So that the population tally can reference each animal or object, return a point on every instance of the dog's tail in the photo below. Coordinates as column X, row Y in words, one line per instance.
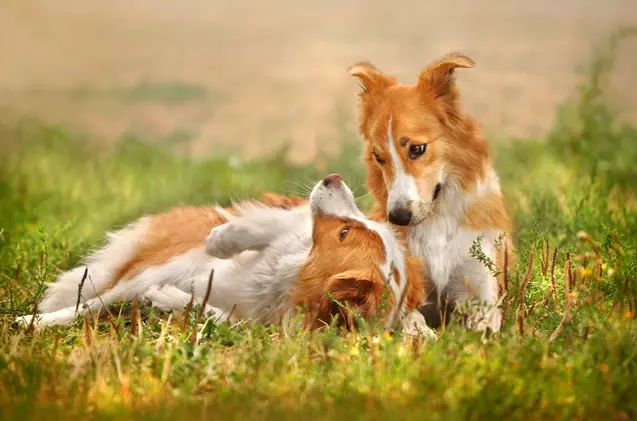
column 103, row 266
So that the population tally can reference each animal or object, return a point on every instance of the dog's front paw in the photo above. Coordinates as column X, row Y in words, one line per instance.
column 414, row 325
column 221, row 242
column 26, row 321
column 482, row 321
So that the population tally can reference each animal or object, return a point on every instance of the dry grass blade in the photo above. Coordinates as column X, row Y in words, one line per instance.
column 184, row 327
column 134, row 316
column 443, row 314
column 80, row 288
column 15, row 281
column 193, row 336
column 522, row 293
column 400, row 303
column 553, row 283
column 568, row 280
column 505, row 279
column 505, row 269
column 546, row 252
column 569, row 272
column 234, row 307
column 567, row 310
column 207, row 296
column 31, row 326
column 114, row 327
column 87, row 331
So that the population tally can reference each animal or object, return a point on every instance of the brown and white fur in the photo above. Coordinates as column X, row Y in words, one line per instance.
column 267, row 262
column 430, row 171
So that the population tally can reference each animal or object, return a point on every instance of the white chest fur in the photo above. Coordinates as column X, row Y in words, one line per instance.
column 445, row 245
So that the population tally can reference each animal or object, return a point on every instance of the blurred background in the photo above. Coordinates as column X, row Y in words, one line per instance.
column 203, row 76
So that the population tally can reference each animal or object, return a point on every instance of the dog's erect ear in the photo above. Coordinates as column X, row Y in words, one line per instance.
column 349, row 294
column 372, row 80
column 438, row 78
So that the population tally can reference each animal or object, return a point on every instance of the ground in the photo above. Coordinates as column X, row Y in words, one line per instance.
column 566, row 349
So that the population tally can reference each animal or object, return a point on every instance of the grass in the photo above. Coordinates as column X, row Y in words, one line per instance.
column 566, row 350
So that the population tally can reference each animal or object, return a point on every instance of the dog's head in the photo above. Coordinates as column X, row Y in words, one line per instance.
column 418, row 142
column 355, row 266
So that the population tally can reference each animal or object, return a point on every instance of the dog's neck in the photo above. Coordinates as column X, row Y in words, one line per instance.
column 269, row 291
column 456, row 195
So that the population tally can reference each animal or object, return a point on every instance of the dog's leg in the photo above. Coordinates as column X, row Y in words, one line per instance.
column 171, row 298
column 91, row 306
column 475, row 291
column 414, row 324
column 254, row 229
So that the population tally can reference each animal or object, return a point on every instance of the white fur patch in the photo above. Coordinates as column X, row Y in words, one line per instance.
column 102, row 266
column 403, row 190
column 441, row 241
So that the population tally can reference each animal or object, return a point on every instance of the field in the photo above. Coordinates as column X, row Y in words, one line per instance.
column 566, row 351
column 207, row 76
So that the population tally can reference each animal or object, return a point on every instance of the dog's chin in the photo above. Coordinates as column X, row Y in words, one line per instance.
column 423, row 212
column 334, row 201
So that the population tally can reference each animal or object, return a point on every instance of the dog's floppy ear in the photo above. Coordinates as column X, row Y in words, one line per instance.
column 371, row 79
column 349, row 295
column 438, row 78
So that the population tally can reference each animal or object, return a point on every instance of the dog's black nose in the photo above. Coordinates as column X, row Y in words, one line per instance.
column 332, row 179
column 400, row 216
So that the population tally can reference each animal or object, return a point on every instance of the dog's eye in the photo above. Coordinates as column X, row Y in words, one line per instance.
column 343, row 233
column 377, row 158
column 416, row 150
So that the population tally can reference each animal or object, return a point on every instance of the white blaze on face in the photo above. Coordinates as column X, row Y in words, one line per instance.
column 403, row 191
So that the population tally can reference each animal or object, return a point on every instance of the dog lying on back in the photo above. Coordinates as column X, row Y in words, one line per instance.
column 430, row 171
column 323, row 256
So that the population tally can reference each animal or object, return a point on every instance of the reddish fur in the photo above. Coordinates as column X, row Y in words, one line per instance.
column 349, row 271
column 417, row 288
column 427, row 112
column 179, row 230
column 170, row 234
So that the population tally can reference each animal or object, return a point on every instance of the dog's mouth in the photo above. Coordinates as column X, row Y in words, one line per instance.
column 332, row 196
column 437, row 191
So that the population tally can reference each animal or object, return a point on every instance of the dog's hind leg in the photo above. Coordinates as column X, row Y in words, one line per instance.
column 170, row 298
column 254, row 229
column 92, row 306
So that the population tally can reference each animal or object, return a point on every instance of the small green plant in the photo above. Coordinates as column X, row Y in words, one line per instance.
column 477, row 253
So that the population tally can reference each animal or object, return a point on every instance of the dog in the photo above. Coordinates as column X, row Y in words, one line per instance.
column 268, row 261
column 430, row 172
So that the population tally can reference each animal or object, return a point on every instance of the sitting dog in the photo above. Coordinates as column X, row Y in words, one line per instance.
column 430, row 171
